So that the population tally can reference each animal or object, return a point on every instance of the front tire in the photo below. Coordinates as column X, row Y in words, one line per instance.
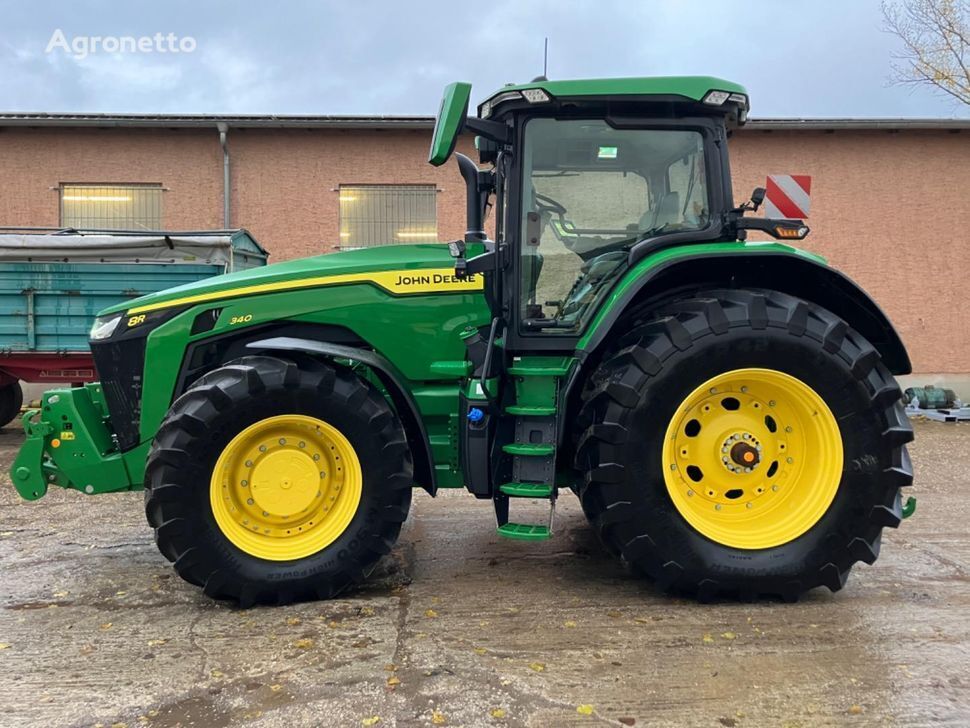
column 682, row 456
column 272, row 482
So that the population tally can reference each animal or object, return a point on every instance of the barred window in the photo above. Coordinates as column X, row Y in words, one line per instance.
column 372, row 215
column 111, row 206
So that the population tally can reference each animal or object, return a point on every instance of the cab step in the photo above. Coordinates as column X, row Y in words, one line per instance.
column 524, row 532
column 526, row 490
column 523, row 370
column 534, row 411
column 529, row 449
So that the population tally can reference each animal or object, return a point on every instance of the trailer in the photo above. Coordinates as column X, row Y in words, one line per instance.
column 53, row 283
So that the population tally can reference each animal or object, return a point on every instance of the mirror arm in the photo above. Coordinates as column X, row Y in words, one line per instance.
column 494, row 130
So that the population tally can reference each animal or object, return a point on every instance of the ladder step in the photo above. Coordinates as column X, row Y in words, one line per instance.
column 538, row 371
column 524, row 532
column 529, row 449
column 527, row 490
column 533, row 411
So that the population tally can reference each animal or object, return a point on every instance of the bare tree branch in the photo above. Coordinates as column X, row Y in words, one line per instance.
column 935, row 35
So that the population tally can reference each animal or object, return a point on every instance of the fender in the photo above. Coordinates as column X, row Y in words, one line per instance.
column 393, row 381
column 681, row 270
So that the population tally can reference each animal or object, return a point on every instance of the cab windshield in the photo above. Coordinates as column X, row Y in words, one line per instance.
column 591, row 191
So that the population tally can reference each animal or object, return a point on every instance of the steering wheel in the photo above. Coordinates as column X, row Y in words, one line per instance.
column 548, row 204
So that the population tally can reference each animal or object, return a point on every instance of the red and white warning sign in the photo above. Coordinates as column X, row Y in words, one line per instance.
column 788, row 196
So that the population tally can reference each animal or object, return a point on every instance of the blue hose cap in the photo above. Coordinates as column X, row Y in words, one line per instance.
column 475, row 415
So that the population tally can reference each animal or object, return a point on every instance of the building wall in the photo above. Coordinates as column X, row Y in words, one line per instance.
column 889, row 209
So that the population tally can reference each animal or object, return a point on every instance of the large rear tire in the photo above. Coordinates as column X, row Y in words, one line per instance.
column 743, row 443
column 272, row 482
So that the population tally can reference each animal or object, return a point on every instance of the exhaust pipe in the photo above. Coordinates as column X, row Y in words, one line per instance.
column 474, row 200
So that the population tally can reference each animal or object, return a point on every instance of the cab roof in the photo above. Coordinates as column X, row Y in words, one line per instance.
column 691, row 88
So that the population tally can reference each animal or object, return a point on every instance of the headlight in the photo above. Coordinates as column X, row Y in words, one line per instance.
column 104, row 326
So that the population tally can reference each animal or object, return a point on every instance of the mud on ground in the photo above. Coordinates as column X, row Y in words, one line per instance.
column 458, row 627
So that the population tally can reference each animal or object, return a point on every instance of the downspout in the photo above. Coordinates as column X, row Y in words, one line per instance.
column 223, row 128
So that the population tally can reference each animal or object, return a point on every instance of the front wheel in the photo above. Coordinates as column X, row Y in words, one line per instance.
column 271, row 482
column 743, row 443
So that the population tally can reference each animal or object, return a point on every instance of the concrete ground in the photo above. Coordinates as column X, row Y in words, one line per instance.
column 461, row 628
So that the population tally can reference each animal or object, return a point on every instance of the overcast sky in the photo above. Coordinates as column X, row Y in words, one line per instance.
column 812, row 58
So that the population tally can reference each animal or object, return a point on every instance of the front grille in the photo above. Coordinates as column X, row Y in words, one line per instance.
column 120, row 366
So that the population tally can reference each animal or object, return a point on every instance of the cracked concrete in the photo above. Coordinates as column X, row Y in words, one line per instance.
column 460, row 627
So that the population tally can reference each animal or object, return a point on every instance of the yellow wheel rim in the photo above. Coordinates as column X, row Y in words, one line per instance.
column 286, row 487
column 752, row 458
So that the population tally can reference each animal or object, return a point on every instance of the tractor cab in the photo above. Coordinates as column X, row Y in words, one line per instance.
column 586, row 177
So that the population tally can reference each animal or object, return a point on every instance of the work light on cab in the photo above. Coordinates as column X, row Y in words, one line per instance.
column 535, row 95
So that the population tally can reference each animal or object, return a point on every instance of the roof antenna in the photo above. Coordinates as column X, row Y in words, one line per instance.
column 545, row 62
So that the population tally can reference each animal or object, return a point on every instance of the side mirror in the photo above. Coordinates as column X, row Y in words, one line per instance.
column 450, row 122
column 757, row 197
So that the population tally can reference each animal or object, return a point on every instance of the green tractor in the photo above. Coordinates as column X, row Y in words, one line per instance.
column 725, row 410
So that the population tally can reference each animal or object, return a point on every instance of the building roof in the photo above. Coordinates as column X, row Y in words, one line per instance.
column 239, row 121
column 246, row 121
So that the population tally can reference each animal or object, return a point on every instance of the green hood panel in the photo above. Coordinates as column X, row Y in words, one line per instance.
column 351, row 266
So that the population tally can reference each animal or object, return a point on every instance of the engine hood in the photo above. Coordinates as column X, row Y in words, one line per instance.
column 398, row 269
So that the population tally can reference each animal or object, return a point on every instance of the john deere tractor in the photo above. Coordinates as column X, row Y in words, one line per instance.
column 725, row 410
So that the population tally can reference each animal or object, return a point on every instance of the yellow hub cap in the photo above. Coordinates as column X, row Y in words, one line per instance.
column 752, row 458
column 286, row 487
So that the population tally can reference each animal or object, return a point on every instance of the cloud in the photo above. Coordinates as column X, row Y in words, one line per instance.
column 824, row 58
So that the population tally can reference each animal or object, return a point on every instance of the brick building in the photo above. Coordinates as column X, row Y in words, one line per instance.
column 890, row 197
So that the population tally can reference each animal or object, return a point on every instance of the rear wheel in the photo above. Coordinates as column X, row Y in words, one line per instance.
column 271, row 482
column 11, row 400
column 743, row 443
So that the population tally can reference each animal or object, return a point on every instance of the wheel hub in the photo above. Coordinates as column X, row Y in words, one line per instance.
column 285, row 482
column 743, row 452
